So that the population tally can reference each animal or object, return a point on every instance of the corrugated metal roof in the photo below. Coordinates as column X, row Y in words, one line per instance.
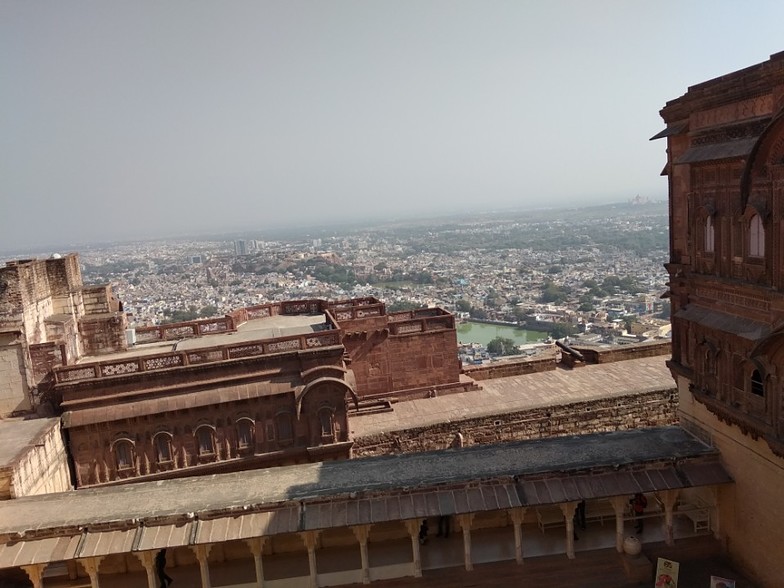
column 347, row 511
column 555, row 490
column 343, row 512
column 705, row 474
column 24, row 553
column 107, row 542
column 165, row 536
column 245, row 526
column 268, row 489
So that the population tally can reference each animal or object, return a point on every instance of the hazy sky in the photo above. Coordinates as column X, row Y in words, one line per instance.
column 162, row 118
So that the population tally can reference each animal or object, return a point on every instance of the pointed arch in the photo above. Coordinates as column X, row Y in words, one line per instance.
column 769, row 149
column 348, row 390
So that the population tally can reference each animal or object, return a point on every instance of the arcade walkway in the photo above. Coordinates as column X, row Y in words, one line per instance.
column 342, row 523
column 597, row 564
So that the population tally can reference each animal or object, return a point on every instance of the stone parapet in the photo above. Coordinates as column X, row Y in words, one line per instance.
column 633, row 411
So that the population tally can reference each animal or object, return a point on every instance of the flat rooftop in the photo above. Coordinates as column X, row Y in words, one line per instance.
column 18, row 434
column 518, row 393
column 253, row 330
column 341, row 479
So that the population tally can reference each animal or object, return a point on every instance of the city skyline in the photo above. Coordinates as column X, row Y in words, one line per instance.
column 143, row 120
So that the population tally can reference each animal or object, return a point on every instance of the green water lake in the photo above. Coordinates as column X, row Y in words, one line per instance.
column 471, row 332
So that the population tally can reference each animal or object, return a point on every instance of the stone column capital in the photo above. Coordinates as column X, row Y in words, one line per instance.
column 256, row 545
column 518, row 514
column 36, row 573
column 412, row 526
column 568, row 508
column 310, row 539
column 361, row 532
column 465, row 520
column 202, row 551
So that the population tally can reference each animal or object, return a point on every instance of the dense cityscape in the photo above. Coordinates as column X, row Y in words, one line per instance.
column 596, row 272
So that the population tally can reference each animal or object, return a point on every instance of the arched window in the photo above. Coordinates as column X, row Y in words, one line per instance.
column 205, row 438
column 757, row 385
column 709, row 234
column 756, row 237
column 245, row 430
column 163, row 448
column 283, row 422
column 327, row 421
column 124, row 454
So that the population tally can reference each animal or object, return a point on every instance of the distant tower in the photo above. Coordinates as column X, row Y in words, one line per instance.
column 240, row 247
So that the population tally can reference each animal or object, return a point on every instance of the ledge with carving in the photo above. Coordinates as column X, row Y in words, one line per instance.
column 678, row 369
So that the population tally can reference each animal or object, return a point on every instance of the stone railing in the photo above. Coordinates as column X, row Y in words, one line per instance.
column 615, row 353
column 177, row 359
column 406, row 315
column 228, row 323
column 175, row 331
column 289, row 307
column 421, row 325
column 354, row 302
column 349, row 313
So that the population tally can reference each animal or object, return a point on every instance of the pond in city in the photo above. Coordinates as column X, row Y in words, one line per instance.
column 482, row 333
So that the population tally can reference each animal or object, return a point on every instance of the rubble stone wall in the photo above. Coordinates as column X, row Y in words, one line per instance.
column 634, row 411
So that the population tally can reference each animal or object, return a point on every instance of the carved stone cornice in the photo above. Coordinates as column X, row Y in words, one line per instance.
column 744, row 130
column 747, row 424
column 678, row 369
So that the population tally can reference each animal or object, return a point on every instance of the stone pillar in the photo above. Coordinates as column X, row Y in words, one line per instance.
column 36, row 574
column 148, row 561
column 668, row 499
column 361, row 532
column 91, row 565
column 465, row 521
column 517, row 515
column 619, row 504
column 202, row 552
column 311, row 539
column 567, row 508
column 412, row 525
column 256, row 546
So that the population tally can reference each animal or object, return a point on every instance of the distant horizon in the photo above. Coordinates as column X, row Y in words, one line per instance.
column 125, row 121
column 353, row 226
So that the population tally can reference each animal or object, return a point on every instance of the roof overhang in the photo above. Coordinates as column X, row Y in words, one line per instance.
column 739, row 148
column 291, row 499
column 673, row 129
column 722, row 321
column 209, row 397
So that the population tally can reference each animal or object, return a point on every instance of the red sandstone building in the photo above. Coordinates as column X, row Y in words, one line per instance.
column 265, row 385
column 725, row 147
column 725, row 168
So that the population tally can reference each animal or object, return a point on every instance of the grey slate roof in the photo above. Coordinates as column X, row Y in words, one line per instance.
column 260, row 489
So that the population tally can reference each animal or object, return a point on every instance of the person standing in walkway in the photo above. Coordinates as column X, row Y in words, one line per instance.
column 160, row 567
column 639, row 504
column 579, row 515
column 423, row 532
